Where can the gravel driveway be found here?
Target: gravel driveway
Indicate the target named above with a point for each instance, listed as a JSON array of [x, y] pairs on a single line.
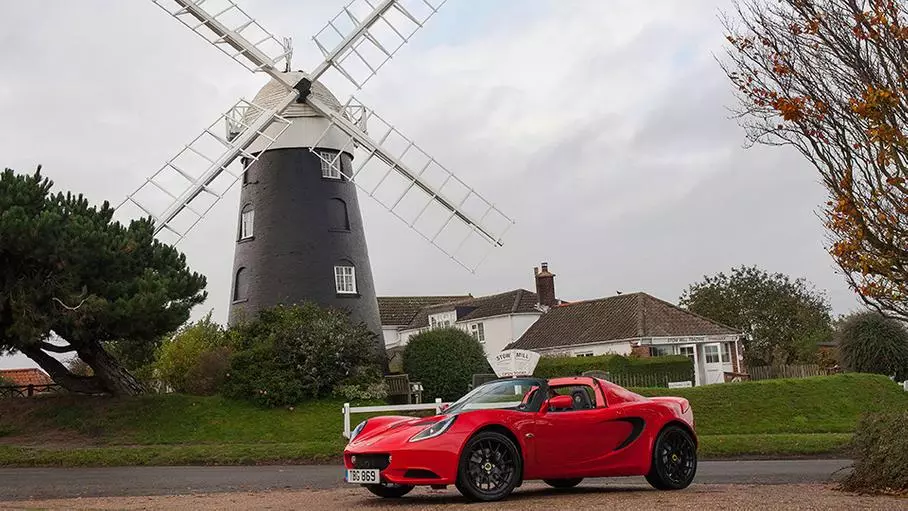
[[530, 496]]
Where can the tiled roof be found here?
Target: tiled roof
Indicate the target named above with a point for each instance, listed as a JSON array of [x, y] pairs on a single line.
[[516, 301], [32, 376], [399, 310], [615, 318]]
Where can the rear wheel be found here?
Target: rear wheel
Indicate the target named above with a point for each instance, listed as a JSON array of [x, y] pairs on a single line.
[[563, 483], [389, 490], [674, 462], [490, 467]]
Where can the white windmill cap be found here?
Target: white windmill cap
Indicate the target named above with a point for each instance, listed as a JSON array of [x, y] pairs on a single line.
[[274, 91]]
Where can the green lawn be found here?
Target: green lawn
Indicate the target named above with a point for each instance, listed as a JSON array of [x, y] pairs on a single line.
[[780, 417], [822, 404]]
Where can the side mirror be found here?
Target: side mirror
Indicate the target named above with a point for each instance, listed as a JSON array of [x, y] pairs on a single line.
[[560, 402]]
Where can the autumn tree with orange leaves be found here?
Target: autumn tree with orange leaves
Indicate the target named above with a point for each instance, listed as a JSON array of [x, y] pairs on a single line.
[[830, 77]]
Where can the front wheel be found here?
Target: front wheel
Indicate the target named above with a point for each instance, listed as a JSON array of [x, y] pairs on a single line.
[[674, 460], [490, 467], [563, 483], [389, 490]]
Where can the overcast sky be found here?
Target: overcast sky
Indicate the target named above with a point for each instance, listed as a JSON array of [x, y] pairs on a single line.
[[601, 127]]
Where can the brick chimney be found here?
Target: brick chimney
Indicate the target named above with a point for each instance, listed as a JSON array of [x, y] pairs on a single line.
[[545, 285]]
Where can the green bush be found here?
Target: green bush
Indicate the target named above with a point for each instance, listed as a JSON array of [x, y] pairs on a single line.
[[289, 354], [880, 445], [661, 369], [868, 342], [194, 360], [444, 360]]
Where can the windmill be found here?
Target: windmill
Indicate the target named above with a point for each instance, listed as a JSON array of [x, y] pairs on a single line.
[[301, 155]]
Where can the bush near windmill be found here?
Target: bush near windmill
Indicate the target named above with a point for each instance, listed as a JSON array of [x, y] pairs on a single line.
[[290, 354], [195, 359], [444, 360]]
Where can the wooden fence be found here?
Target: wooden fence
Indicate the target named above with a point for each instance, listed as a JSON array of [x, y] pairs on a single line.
[[11, 391], [787, 371]]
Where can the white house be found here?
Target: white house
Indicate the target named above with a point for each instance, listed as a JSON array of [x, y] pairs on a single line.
[[495, 320], [636, 323]]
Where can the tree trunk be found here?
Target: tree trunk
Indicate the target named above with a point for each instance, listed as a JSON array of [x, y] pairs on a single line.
[[115, 378], [61, 375]]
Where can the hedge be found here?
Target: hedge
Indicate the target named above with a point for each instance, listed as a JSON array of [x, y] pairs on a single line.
[[632, 371]]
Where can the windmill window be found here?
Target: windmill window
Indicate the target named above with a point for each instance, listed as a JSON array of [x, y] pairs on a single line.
[[338, 219], [345, 279], [241, 285], [246, 221], [330, 165]]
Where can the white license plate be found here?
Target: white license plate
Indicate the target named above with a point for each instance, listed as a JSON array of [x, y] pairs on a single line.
[[363, 475]]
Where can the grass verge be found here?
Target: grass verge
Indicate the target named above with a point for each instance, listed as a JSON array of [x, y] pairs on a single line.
[[806, 417]]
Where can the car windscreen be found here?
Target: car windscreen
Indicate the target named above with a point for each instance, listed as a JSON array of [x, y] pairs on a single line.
[[499, 394]]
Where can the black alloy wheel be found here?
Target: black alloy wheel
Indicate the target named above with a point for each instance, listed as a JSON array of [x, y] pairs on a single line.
[[674, 460], [563, 483], [389, 490], [490, 467]]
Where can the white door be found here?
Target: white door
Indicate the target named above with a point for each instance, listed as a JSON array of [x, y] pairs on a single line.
[[712, 363]]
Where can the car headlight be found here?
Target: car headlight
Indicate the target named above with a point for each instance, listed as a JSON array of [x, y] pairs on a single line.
[[359, 427], [434, 430]]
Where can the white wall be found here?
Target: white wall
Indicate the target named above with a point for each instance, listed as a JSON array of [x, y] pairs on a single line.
[[499, 331], [391, 335]]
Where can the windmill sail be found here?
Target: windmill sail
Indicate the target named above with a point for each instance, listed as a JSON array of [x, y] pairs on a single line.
[[225, 25], [365, 34], [408, 182], [182, 191]]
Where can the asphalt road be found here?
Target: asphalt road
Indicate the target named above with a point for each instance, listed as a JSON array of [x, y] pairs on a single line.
[[48, 483]]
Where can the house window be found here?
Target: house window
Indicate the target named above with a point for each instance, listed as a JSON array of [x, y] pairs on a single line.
[[711, 354], [331, 167], [246, 220], [726, 352], [345, 279], [660, 351], [583, 353], [478, 332], [687, 351], [241, 285]]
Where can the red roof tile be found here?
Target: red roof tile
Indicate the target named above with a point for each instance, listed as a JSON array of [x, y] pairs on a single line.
[[31, 376]]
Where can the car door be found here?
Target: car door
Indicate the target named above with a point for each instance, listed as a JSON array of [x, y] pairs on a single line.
[[578, 440]]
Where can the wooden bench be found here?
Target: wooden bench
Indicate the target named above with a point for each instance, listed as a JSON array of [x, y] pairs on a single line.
[[400, 388]]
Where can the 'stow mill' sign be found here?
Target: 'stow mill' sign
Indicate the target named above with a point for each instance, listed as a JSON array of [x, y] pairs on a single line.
[[514, 363]]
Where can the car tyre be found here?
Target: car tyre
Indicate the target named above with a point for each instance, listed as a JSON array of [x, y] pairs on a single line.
[[490, 467], [674, 462], [563, 483], [389, 490]]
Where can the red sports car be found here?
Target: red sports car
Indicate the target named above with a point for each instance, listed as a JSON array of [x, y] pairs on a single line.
[[511, 430]]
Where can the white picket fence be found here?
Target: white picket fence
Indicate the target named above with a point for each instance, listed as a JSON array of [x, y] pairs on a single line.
[[350, 410]]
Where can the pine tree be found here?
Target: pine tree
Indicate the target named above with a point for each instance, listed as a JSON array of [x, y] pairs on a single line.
[[67, 268]]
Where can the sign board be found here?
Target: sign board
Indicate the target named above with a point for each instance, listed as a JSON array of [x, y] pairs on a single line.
[[514, 363], [680, 384]]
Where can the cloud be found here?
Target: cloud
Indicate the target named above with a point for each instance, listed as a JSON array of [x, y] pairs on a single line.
[[599, 126]]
